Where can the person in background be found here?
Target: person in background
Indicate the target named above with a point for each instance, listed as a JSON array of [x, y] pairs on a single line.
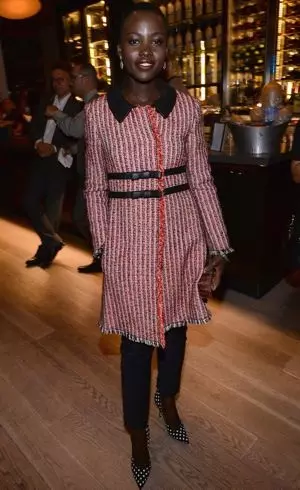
[[85, 81], [50, 169], [8, 110], [155, 219], [10, 114]]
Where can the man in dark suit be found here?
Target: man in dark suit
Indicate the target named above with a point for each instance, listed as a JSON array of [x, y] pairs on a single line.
[[85, 86], [50, 169]]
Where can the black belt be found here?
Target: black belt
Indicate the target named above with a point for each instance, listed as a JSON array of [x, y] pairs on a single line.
[[149, 193], [147, 174]]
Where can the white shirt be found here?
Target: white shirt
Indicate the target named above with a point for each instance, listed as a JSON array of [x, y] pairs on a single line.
[[51, 124]]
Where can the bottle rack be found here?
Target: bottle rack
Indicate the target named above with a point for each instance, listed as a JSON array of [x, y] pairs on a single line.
[[195, 44], [72, 35], [288, 42], [96, 16], [248, 49]]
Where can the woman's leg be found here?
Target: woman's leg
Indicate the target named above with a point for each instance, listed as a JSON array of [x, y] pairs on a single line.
[[136, 380], [170, 362]]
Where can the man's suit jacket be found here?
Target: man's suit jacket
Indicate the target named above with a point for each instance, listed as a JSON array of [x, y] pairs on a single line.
[[39, 121], [74, 127]]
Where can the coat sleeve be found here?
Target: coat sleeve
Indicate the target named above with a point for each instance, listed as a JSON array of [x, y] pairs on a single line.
[[203, 188], [96, 179], [70, 126]]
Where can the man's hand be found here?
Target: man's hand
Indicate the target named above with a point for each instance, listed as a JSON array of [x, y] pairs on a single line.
[[45, 149], [50, 110], [66, 151]]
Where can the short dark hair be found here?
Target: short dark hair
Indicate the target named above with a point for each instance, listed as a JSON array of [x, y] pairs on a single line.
[[88, 70], [62, 65], [142, 7]]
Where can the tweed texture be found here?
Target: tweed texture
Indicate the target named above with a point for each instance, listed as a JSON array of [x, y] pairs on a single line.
[[154, 250]]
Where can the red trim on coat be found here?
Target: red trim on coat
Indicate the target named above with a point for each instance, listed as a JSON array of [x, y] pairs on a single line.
[[152, 114]]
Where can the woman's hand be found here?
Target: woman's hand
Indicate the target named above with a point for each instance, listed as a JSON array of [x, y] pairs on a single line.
[[216, 264], [218, 272]]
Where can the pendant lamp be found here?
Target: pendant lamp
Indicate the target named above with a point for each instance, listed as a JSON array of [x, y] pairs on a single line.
[[19, 9]]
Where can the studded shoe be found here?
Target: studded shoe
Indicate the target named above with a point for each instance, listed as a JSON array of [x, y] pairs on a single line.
[[141, 473], [180, 433]]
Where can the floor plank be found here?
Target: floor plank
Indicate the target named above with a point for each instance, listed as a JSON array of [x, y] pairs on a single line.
[[55, 464], [245, 406], [16, 472]]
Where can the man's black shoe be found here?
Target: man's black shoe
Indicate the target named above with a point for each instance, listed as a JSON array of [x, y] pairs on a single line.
[[95, 266]]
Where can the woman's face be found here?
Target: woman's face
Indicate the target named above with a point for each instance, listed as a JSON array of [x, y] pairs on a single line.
[[143, 46]]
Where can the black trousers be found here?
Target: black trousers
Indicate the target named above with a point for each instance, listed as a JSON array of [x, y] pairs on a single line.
[[80, 216], [44, 196], [136, 374]]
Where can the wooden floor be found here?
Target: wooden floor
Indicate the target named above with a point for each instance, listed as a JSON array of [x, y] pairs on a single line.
[[60, 410]]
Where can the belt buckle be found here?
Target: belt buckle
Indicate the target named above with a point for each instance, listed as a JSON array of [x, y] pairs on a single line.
[[137, 194], [141, 194]]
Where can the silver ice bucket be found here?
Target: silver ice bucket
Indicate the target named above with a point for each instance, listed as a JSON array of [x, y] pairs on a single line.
[[258, 140]]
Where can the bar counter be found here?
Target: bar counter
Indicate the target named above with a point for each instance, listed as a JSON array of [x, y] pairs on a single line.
[[255, 195], [257, 161]]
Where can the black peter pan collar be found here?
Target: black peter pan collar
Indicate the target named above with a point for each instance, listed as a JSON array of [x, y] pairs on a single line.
[[120, 107]]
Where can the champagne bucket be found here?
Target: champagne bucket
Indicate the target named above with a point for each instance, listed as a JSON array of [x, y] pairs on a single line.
[[258, 140]]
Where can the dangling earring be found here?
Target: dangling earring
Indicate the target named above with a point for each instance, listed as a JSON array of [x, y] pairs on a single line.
[[165, 66], [121, 64]]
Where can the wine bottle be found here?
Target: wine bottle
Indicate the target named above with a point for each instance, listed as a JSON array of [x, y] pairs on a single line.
[[171, 45], [199, 8], [190, 54], [198, 53], [209, 38], [188, 10], [209, 7], [171, 65], [163, 9], [170, 13], [208, 71], [179, 44], [219, 35], [219, 70], [271, 95], [178, 12], [184, 64], [219, 6]]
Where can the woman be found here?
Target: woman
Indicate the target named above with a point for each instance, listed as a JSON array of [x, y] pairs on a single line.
[[154, 213]]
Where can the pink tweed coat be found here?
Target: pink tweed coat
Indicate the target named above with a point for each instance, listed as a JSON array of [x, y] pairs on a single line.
[[154, 249]]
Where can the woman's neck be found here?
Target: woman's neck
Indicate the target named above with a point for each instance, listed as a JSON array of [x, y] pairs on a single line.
[[140, 93]]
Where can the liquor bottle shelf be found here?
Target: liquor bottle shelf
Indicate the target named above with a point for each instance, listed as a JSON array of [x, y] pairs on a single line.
[[203, 85]]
